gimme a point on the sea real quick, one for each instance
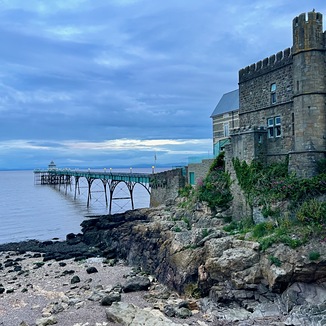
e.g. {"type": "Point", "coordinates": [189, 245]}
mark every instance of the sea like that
{"type": "Point", "coordinates": [43, 212]}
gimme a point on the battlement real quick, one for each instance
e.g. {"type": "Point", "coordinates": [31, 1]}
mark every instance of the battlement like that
{"type": "Point", "coordinates": [275, 61]}
{"type": "Point", "coordinates": [312, 18]}
{"type": "Point", "coordinates": [308, 32]}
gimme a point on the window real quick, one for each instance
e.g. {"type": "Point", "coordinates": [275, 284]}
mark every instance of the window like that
{"type": "Point", "coordinates": [274, 127]}
{"type": "Point", "coordinates": [273, 93]}
{"type": "Point", "coordinates": [226, 129]}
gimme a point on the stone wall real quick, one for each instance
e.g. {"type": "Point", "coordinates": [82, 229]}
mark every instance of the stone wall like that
{"type": "Point", "coordinates": [239, 207]}
{"type": "Point", "coordinates": [256, 107]}
{"type": "Point", "coordinates": [299, 75]}
{"type": "Point", "coordinates": [200, 170]}
{"type": "Point", "coordinates": [165, 186]}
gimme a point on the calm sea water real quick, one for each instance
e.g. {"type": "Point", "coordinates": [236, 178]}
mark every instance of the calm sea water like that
{"type": "Point", "coordinates": [29, 211]}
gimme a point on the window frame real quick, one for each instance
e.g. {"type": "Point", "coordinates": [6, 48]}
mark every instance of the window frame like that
{"type": "Point", "coordinates": [226, 129]}
{"type": "Point", "coordinates": [273, 93]}
{"type": "Point", "coordinates": [274, 127]}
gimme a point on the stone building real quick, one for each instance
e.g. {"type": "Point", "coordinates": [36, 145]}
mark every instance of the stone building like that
{"type": "Point", "coordinates": [225, 119]}
{"type": "Point", "coordinates": [282, 103]}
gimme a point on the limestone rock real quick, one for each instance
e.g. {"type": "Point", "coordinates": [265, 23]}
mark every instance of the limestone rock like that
{"type": "Point", "coordinates": [128, 314]}
{"type": "Point", "coordinates": [303, 294]}
{"type": "Point", "coordinates": [46, 321]}
{"type": "Point", "coordinates": [232, 260]}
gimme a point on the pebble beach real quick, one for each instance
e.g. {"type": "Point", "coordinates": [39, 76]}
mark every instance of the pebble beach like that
{"type": "Point", "coordinates": [67, 292]}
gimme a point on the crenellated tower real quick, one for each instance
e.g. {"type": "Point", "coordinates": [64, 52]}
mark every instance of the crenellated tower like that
{"type": "Point", "coordinates": [309, 94]}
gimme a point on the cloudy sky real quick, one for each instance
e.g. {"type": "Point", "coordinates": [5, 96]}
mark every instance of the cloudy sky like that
{"type": "Point", "coordinates": [109, 83]}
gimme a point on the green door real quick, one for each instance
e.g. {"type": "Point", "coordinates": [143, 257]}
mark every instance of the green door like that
{"type": "Point", "coordinates": [192, 178]}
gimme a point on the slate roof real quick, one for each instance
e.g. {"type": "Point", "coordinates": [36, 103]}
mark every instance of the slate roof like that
{"type": "Point", "coordinates": [228, 102]}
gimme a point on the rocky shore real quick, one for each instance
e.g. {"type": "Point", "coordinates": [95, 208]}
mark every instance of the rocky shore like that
{"type": "Point", "coordinates": [187, 270]}
{"type": "Point", "coordinates": [94, 291]}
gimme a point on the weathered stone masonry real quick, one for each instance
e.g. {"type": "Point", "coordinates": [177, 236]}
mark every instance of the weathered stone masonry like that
{"type": "Point", "coordinates": [165, 186]}
{"type": "Point", "coordinates": [297, 77]}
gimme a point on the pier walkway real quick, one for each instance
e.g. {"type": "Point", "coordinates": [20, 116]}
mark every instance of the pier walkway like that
{"type": "Point", "coordinates": [66, 178]}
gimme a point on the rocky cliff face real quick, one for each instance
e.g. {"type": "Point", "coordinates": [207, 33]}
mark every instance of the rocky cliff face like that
{"type": "Point", "coordinates": [192, 254]}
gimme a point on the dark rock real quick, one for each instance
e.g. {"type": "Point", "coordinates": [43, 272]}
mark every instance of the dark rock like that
{"type": "Point", "coordinates": [38, 264]}
{"type": "Point", "coordinates": [37, 255]}
{"type": "Point", "coordinates": [110, 298]}
{"type": "Point", "coordinates": [183, 313]}
{"type": "Point", "coordinates": [137, 283]}
{"type": "Point", "coordinates": [73, 239]}
{"type": "Point", "coordinates": [91, 270]}
{"type": "Point", "coordinates": [17, 268]}
{"type": "Point", "coordinates": [110, 253]}
{"type": "Point", "coordinates": [46, 243]}
{"type": "Point", "coordinates": [68, 272]}
{"type": "Point", "coordinates": [2, 290]}
{"type": "Point", "coordinates": [169, 310]}
{"type": "Point", "coordinates": [10, 291]}
{"type": "Point", "coordinates": [10, 263]}
{"type": "Point", "coordinates": [62, 264]}
{"type": "Point", "coordinates": [75, 280]}
{"type": "Point", "coordinates": [183, 304]}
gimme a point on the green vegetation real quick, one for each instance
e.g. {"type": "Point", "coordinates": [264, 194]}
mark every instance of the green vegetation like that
{"type": "Point", "coordinates": [271, 187]}
{"type": "Point", "coordinates": [312, 211]}
{"type": "Point", "coordinates": [213, 189]}
{"type": "Point", "coordinates": [187, 221]}
{"type": "Point", "coordinates": [177, 229]}
{"type": "Point", "coordinates": [265, 185]}
{"type": "Point", "coordinates": [275, 261]}
{"type": "Point", "coordinates": [289, 204]}
{"type": "Point", "coordinates": [205, 233]}
{"type": "Point", "coordinates": [314, 255]}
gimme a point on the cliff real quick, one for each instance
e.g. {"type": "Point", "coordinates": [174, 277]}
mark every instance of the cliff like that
{"type": "Point", "coordinates": [191, 253]}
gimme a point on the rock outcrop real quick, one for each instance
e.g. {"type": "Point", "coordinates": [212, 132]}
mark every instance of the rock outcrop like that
{"type": "Point", "coordinates": [193, 255]}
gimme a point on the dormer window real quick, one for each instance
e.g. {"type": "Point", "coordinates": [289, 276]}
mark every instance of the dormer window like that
{"type": "Point", "coordinates": [273, 93]}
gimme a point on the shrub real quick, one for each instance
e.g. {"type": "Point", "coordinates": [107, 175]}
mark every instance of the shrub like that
{"type": "Point", "coordinates": [185, 191]}
{"type": "Point", "coordinates": [262, 229]}
{"type": "Point", "coordinates": [218, 164]}
{"type": "Point", "coordinates": [231, 227]}
{"type": "Point", "coordinates": [204, 233]}
{"type": "Point", "coordinates": [187, 221]}
{"type": "Point", "coordinates": [275, 261]}
{"type": "Point", "coordinates": [312, 211]}
{"type": "Point", "coordinates": [321, 166]}
{"type": "Point", "coordinates": [314, 255]}
{"type": "Point", "coordinates": [216, 189]}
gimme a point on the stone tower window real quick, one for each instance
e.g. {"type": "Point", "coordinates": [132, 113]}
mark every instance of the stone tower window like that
{"type": "Point", "coordinates": [273, 93]}
{"type": "Point", "coordinates": [274, 127]}
{"type": "Point", "coordinates": [226, 129]}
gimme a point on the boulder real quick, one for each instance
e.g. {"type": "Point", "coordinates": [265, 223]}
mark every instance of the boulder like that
{"type": "Point", "coordinates": [128, 314]}
{"type": "Point", "coordinates": [110, 298]}
{"type": "Point", "coordinates": [137, 283]}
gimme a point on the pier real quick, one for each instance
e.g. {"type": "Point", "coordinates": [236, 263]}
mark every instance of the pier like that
{"type": "Point", "coordinates": [66, 179]}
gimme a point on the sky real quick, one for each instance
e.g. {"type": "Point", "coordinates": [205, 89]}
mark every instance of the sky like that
{"type": "Point", "coordinates": [117, 83]}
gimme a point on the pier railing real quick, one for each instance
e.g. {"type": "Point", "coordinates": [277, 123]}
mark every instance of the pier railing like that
{"type": "Point", "coordinates": [67, 178]}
